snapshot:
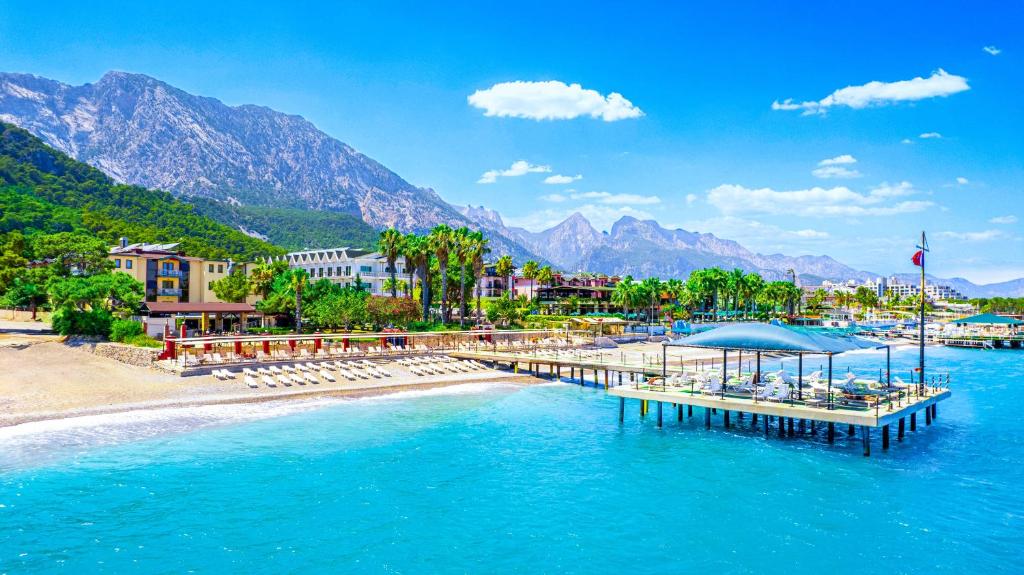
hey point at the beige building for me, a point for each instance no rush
(170, 276)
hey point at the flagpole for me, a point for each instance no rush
(924, 248)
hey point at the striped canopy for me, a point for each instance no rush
(769, 337)
(990, 319)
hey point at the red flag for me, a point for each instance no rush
(918, 258)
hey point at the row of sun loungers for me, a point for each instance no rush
(217, 358)
(303, 373)
(780, 386)
(422, 366)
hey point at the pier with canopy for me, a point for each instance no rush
(816, 398)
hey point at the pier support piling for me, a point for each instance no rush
(659, 413)
(789, 426)
(831, 432)
(913, 421)
(689, 411)
(885, 437)
(865, 438)
(851, 431)
(782, 426)
(679, 412)
(753, 420)
(707, 418)
(725, 419)
(622, 409)
(928, 415)
(900, 428)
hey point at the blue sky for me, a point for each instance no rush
(692, 140)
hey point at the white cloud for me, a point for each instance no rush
(835, 172)
(560, 179)
(906, 141)
(939, 84)
(617, 199)
(983, 236)
(814, 202)
(759, 235)
(518, 168)
(930, 136)
(838, 160)
(554, 198)
(551, 100)
(836, 168)
(962, 180)
(1008, 219)
(992, 50)
(690, 199)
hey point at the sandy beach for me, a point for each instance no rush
(46, 379)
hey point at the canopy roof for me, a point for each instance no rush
(990, 318)
(768, 337)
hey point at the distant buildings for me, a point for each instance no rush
(342, 265)
(886, 287)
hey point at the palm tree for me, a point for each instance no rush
(652, 289)
(442, 240)
(624, 294)
(477, 253)
(462, 246)
(734, 285)
(504, 269)
(545, 276)
(262, 277)
(753, 283)
(390, 244)
(530, 272)
(299, 280)
(716, 281)
(412, 248)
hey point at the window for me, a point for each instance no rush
(128, 264)
(220, 268)
(167, 284)
(337, 271)
(117, 262)
(365, 269)
(348, 271)
(211, 268)
(320, 273)
(328, 272)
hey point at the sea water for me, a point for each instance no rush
(505, 478)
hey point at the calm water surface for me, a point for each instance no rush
(502, 479)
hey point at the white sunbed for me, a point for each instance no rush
(285, 379)
(327, 376)
(269, 381)
(311, 377)
(346, 374)
(251, 382)
(277, 370)
(767, 392)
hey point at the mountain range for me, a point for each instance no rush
(264, 172)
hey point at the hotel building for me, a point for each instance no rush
(342, 265)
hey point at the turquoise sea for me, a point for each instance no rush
(502, 478)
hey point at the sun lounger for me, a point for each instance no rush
(766, 392)
(311, 377)
(285, 379)
(217, 358)
(278, 370)
(782, 392)
(269, 381)
(227, 374)
(251, 382)
(346, 374)
(311, 366)
(249, 372)
(327, 376)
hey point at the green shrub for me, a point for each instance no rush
(143, 340)
(123, 329)
(67, 321)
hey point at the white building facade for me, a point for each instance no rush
(343, 265)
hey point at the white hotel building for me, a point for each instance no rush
(341, 265)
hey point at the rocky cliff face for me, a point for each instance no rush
(143, 131)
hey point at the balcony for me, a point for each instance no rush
(169, 273)
(176, 292)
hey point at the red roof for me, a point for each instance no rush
(186, 307)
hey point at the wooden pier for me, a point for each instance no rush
(643, 382)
